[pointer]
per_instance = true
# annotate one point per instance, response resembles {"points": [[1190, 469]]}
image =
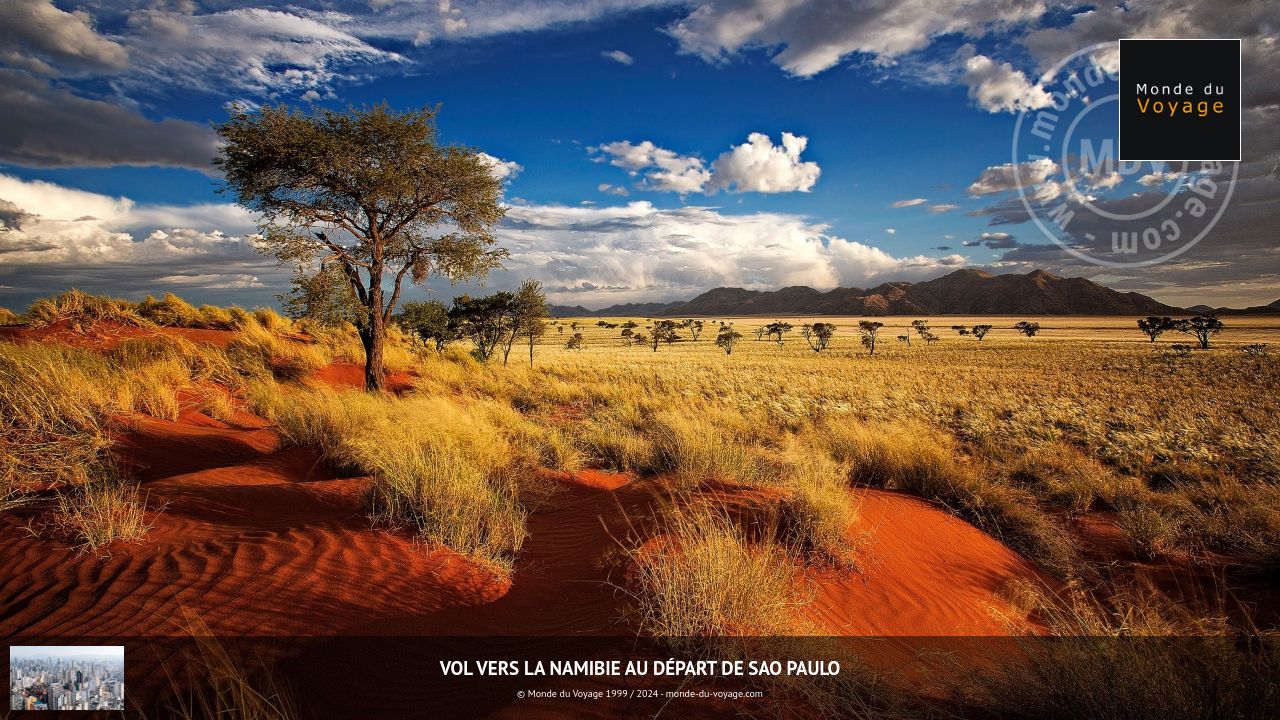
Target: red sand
{"points": [[351, 375]]}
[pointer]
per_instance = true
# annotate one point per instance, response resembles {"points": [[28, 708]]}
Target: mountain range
{"points": [[963, 292]]}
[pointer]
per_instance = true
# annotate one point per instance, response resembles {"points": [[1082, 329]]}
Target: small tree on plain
{"points": [[1027, 328], [760, 331], [818, 335], [528, 317], [930, 338], [1154, 326], [921, 327], [726, 338], [776, 330], [695, 329], [429, 321], [1203, 327], [487, 321], [574, 342], [960, 330], [664, 331], [980, 331], [869, 330]]}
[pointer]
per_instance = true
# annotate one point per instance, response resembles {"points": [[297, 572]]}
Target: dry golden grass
{"points": [[1134, 655], [101, 512]]}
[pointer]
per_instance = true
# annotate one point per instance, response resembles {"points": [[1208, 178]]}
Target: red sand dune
{"points": [[107, 335]]}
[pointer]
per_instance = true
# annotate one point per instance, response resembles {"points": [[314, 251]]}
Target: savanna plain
{"points": [[1098, 511]]}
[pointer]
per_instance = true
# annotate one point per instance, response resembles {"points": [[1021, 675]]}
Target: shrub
{"points": [[9, 317], [705, 579], [170, 311], [101, 512], [439, 468], [50, 427], [82, 311]]}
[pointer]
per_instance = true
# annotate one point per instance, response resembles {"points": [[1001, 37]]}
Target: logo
{"points": [[1075, 189]]}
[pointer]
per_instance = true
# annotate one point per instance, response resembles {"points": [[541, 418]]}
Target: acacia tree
{"points": [[818, 335], [487, 321], [1153, 326], [1203, 327], [429, 321], [525, 317], [1027, 328], [726, 338], [776, 330], [531, 314], [695, 329], [663, 331], [369, 191], [869, 330], [980, 331], [921, 327]]}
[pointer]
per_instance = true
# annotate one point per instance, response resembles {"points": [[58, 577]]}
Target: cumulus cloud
{"points": [[998, 87], [610, 189], [50, 127], [502, 169], [809, 37], [997, 240], [639, 252], [619, 56], [907, 203], [37, 36], [1002, 178], [754, 166], [660, 168], [760, 166], [100, 243]]}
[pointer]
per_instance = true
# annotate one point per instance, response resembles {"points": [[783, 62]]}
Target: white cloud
{"points": [[1002, 178], [809, 36], [908, 203], [639, 252], [997, 87], [754, 166], [661, 169], [760, 166], [619, 57], [252, 50], [502, 169], [609, 189], [112, 244], [891, 231], [943, 207], [37, 36]]}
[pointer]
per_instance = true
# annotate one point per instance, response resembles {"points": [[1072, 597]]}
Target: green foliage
{"points": [[870, 331], [727, 338], [1027, 328], [818, 335], [429, 322]]}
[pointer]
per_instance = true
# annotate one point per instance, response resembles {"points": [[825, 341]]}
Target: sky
{"points": [[66, 651], [651, 150]]}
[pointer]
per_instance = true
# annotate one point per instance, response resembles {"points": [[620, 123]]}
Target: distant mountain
{"points": [[624, 310], [1269, 309], [963, 292]]}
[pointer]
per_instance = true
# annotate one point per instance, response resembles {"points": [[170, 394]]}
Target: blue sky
{"points": [[587, 105]]}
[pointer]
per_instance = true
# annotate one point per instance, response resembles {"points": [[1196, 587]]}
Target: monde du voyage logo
{"points": [[1146, 181]]}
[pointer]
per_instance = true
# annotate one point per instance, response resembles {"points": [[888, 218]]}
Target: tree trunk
{"points": [[374, 335]]}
